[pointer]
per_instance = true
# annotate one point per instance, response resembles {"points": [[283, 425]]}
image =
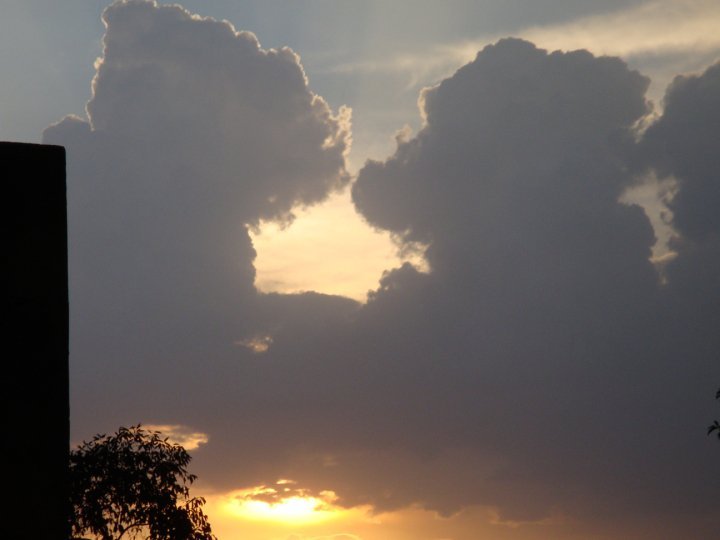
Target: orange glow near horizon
{"points": [[282, 505], [271, 513], [293, 509]]}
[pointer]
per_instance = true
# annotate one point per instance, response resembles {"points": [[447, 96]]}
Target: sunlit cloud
{"points": [[652, 194], [282, 502], [179, 434], [282, 511]]}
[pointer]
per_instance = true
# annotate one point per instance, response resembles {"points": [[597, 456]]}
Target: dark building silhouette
{"points": [[35, 353]]}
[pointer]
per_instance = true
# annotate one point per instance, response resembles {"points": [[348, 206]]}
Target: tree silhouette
{"points": [[132, 485], [715, 426]]}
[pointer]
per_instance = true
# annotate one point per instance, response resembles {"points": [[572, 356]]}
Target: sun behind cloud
{"points": [[282, 503]]}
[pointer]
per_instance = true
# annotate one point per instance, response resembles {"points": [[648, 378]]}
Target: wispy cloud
{"points": [[654, 28]]}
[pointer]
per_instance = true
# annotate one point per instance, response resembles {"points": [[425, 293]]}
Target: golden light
{"points": [[293, 509], [329, 248], [284, 505]]}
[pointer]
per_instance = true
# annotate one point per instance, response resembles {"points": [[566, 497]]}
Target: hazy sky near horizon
{"points": [[543, 369]]}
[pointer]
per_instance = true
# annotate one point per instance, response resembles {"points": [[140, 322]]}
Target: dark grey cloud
{"points": [[540, 367], [193, 134], [559, 345], [683, 143]]}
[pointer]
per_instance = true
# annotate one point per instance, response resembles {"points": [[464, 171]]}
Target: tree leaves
{"points": [[715, 426], [135, 484]]}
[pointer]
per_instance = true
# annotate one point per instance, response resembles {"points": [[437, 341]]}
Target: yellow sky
{"points": [[328, 249]]}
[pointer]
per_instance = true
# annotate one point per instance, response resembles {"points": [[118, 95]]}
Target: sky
{"points": [[394, 270]]}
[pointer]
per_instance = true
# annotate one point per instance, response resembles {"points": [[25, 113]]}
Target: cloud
{"points": [[182, 435], [657, 34], [284, 489], [661, 37], [194, 134], [541, 301], [209, 90], [655, 27], [481, 152], [683, 146], [473, 384]]}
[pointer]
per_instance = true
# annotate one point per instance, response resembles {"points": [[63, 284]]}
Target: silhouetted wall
{"points": [[35, 360]]}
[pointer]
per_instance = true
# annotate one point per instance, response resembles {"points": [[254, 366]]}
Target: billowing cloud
{"points": [[518, 148], [534, 368], [193, 134], [544, 311]]}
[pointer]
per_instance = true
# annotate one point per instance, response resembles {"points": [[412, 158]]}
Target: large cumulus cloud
{"points": [[193, 134], [557, 341]]}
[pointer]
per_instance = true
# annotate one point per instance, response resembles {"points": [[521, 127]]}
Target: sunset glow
{"points": [[294, 509], [282, 505]]}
